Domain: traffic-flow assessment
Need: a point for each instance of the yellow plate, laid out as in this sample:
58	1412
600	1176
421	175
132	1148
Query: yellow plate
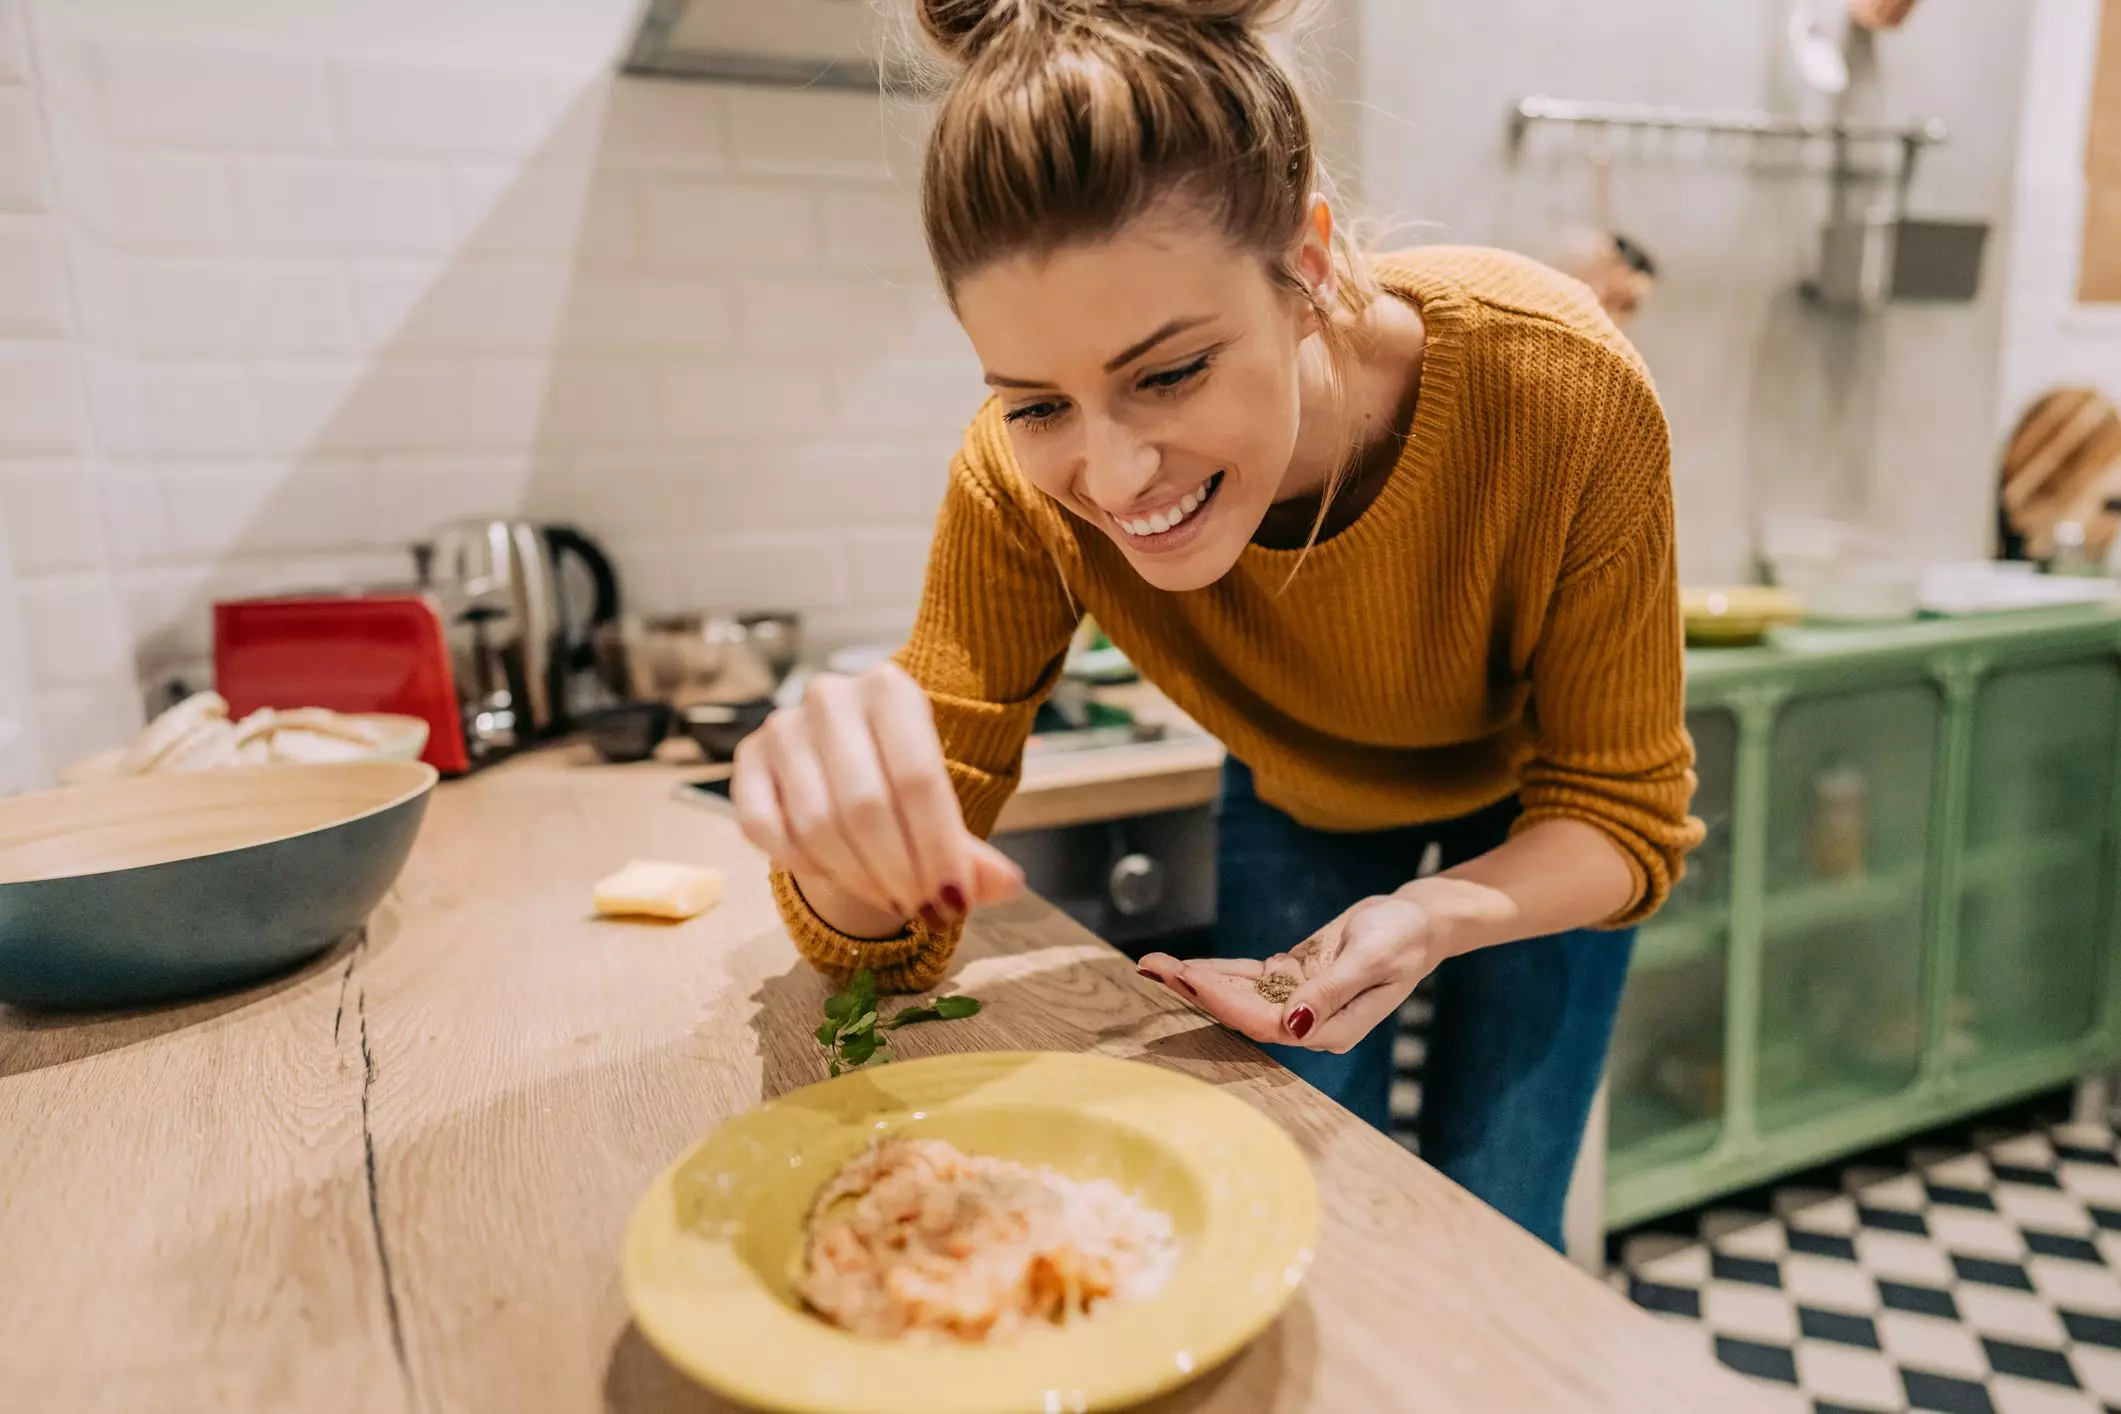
1737	614
713	1249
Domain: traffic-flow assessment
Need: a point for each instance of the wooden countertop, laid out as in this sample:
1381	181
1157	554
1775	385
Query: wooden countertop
396	1180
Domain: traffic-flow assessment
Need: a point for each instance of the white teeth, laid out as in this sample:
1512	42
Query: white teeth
1165	520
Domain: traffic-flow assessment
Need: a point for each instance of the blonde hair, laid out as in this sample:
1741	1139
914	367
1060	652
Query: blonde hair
1068	120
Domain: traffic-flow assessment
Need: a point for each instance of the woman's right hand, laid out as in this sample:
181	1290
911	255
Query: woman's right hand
847	791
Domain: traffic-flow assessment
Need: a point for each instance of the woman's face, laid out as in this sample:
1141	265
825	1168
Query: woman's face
1150	382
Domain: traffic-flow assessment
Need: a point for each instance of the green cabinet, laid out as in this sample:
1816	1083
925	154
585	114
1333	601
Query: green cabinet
1904	908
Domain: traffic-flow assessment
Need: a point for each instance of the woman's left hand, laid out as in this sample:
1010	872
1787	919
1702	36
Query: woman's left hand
1350	975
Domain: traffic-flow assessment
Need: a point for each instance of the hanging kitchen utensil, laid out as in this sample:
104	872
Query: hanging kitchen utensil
2062	465
1619	271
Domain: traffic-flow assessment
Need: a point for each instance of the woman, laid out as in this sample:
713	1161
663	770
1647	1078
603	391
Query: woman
1399	533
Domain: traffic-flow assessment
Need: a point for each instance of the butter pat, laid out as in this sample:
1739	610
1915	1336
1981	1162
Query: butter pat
654	888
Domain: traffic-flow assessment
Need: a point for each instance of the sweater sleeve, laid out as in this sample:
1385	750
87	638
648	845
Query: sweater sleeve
1608	673
989	641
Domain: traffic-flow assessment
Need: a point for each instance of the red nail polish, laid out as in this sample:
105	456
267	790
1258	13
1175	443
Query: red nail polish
933	919
952	898
1145	972
1300	1022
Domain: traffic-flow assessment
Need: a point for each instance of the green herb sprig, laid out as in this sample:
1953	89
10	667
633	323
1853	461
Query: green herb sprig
852	1033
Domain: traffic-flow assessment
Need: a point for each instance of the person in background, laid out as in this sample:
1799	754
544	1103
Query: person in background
1880	14
1397	529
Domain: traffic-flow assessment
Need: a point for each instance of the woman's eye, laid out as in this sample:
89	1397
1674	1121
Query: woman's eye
1035	413
1172	377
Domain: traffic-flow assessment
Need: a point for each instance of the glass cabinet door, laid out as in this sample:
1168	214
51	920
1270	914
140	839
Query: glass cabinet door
1850	786
2034	902
1666	1064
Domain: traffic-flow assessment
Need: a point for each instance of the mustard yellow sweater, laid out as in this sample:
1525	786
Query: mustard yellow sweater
1503	619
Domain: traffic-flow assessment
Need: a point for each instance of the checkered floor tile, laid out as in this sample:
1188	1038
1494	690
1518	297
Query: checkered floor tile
1983	1280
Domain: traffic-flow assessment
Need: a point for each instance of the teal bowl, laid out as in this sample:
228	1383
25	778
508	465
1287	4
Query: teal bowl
156	888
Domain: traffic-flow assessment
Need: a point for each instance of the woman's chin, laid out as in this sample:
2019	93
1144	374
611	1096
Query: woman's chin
1196	566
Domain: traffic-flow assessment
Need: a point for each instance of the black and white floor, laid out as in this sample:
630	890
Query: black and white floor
1976	1271
1978	1277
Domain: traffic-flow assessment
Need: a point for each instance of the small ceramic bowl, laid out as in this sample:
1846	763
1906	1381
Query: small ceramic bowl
629	731
719	726
157	887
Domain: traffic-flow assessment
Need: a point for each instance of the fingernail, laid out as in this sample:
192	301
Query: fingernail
1300	1022
952	898
933	919
1186	987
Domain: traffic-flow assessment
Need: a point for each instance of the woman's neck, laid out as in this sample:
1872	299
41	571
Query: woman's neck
1361	430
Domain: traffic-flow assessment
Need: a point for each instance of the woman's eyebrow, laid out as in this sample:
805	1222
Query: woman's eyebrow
1133	351
1136	350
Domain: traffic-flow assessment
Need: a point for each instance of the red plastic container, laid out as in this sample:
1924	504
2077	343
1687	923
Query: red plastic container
347	652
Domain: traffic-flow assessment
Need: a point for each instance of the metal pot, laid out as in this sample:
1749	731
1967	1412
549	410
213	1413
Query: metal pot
684	659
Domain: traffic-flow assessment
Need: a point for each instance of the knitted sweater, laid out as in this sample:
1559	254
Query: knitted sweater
1501	620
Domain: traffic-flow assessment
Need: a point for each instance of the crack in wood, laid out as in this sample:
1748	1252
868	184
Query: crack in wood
353	955
375	1208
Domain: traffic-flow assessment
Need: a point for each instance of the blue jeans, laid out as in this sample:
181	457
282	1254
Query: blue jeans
1519	1035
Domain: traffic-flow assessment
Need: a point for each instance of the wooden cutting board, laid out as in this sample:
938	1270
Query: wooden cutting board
2063	463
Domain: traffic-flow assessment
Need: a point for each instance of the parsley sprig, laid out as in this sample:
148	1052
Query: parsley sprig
852	1033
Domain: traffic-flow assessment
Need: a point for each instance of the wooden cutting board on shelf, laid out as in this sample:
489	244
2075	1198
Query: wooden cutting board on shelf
2063	463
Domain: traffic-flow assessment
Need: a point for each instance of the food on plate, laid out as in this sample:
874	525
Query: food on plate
914	1238
655	888
197	735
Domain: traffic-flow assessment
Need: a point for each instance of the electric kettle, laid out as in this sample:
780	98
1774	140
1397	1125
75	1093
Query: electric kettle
522	602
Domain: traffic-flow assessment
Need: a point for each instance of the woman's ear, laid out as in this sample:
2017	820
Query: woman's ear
1312	260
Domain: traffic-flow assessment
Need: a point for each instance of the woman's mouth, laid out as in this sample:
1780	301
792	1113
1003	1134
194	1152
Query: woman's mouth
1172	526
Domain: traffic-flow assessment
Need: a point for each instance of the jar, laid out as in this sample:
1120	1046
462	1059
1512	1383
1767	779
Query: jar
1839	797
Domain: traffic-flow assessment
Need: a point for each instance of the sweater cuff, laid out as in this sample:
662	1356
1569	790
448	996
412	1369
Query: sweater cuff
914	961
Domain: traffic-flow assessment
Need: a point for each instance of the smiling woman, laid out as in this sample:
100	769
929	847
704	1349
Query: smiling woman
1396	529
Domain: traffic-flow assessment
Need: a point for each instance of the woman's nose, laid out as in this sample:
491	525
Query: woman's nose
1118	464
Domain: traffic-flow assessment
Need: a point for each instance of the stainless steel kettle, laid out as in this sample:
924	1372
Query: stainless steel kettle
519	644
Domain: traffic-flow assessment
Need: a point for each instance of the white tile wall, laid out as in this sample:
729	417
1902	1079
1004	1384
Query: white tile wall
200	410
22	165
348	207
396	107
32	277
39	413
618	313
193	305
286	307
14	44
646	124
169	201
52	519
213	95
77	634
390	404
218	512
695	223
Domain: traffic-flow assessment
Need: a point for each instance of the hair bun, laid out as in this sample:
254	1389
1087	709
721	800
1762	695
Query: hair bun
963	28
